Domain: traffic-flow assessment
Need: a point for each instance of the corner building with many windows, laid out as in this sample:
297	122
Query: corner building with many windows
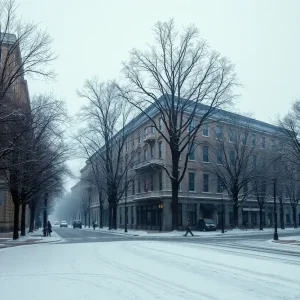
148	198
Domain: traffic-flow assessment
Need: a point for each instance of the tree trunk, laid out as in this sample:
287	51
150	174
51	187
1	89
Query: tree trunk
32	217
294	216
85	220
235	213
174	204
281	215
175	185
261	218
114	213
16	221
23	219
101	215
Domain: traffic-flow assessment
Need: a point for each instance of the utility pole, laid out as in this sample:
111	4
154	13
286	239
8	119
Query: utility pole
45	214
275	213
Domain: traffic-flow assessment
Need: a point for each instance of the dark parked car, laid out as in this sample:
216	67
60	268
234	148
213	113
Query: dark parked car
206	225
77	224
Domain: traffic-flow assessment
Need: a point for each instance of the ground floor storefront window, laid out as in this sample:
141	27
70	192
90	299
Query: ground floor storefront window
148	216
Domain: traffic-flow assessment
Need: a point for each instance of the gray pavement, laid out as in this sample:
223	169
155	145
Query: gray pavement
71	235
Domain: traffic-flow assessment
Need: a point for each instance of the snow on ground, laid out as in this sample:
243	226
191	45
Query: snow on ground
145	271
38	236
217	233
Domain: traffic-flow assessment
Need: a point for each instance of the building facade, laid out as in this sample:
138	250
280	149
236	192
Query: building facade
147	201
16	96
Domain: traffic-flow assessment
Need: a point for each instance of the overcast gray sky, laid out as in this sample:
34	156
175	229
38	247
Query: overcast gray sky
93	37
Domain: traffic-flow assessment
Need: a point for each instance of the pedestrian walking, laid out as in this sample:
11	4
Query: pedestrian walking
49	228
188	228
94	224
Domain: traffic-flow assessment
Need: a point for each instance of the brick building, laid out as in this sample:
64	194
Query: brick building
16	96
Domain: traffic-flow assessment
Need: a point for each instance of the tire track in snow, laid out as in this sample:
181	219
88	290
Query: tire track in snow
214	268
177	290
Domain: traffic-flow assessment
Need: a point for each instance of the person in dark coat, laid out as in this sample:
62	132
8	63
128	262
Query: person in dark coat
188	228
49	228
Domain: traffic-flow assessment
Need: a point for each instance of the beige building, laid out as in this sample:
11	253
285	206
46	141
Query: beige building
148	201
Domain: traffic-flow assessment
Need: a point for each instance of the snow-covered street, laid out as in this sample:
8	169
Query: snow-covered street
145	270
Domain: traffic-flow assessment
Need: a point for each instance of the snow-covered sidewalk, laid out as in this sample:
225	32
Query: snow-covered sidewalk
145	270
196	233
30	238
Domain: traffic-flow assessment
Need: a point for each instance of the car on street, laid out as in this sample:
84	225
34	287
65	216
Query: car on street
206	225
56	223
63	224
77	224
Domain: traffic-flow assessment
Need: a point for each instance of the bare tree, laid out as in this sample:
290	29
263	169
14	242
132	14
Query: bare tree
183	81
26	50
236	162
38	157
104	138
292	187
261	185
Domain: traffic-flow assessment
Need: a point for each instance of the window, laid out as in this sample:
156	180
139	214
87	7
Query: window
179	214
152	129
232	136
218	132
219	156
243	139
191	181
139	157
121	215
139	185
288	220
140	137
179	185
205	130
206	183
160	149
191	149
151	183
160	124
133	187
126	146
145	132
132	216
254	160
191	125
205	154
219	185
145	154
263	142
232	158
146	185
152	151
160	181
253	140
273	145
245	189
132	142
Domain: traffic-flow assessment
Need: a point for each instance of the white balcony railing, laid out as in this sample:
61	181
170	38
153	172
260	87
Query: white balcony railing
149	137
149	163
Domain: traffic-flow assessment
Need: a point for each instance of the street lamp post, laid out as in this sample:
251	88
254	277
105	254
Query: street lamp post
161	207
45	214
223	212
89	192
275	238
125	227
